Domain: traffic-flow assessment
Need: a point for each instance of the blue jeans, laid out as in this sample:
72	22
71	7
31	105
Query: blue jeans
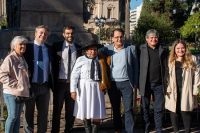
14	111
125	90
158	98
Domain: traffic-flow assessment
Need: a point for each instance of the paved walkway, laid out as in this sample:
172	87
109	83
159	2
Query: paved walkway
106	126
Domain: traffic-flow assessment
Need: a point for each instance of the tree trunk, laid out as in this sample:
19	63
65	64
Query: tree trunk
127	19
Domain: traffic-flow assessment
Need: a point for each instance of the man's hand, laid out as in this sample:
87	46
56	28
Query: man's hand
73	95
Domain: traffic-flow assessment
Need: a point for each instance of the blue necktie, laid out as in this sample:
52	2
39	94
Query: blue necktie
40	65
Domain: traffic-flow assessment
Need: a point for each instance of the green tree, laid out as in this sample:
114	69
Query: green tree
153	17
191	26
166	16
3	23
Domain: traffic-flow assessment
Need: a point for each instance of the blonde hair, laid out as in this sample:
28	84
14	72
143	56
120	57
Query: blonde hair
187	58
42	27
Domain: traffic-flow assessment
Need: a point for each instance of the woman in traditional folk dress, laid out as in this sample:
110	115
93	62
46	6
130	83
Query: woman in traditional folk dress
184	80
86	87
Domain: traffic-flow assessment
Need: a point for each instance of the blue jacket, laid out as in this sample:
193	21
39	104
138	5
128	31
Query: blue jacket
29	57
131	61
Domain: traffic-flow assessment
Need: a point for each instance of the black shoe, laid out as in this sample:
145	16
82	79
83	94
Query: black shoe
95	128
87	126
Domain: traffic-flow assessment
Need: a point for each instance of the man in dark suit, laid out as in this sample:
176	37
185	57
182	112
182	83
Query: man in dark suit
153	69
65	55
38	57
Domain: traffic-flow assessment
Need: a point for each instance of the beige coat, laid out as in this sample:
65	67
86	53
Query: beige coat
14	75
191	81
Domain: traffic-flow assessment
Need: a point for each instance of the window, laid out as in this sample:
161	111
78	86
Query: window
109	13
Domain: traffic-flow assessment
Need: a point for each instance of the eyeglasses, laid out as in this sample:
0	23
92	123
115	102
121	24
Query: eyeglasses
117	37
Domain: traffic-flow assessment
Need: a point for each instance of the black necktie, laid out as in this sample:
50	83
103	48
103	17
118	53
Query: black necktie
95	66
40	65
69	62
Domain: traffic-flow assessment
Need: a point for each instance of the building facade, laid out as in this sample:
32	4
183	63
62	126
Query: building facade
104	14
134	16
2	8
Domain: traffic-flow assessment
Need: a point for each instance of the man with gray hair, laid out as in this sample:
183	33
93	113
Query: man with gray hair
153	67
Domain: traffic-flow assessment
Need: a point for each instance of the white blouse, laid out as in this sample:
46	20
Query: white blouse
81	70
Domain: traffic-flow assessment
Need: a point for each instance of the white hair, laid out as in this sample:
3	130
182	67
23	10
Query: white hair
17	40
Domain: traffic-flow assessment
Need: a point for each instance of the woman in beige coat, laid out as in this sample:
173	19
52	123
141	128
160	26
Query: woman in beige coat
15	80
183	83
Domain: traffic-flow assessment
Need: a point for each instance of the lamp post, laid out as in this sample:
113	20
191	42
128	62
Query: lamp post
100	23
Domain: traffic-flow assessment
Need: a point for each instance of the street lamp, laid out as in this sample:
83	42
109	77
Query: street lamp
100	23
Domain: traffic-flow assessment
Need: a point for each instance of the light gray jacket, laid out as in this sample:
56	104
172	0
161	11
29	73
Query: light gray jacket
14	75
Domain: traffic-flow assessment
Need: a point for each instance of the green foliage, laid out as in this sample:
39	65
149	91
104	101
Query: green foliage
102	34
152	18
3	22
105	33
159	15
190	29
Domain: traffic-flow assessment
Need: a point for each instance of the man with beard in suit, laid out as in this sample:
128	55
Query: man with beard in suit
65	55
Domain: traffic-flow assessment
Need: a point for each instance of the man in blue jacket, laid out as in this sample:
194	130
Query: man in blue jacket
124	77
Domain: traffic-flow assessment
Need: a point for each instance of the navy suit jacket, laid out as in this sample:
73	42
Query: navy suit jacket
29	57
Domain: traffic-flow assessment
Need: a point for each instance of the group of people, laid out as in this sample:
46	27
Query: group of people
79	76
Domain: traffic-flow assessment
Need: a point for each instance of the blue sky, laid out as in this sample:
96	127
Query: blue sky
135	3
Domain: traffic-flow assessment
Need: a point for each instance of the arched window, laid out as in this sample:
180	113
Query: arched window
110	10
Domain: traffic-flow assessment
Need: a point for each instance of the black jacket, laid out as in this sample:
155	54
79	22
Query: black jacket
57	47
144	64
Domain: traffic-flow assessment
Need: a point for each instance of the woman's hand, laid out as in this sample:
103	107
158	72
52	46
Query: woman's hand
73	95
168	94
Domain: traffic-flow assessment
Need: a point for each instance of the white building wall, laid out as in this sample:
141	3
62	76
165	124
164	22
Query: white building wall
134	16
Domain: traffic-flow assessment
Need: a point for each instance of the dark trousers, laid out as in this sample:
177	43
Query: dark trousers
186	116
158	97
125	90
61	94
40	98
